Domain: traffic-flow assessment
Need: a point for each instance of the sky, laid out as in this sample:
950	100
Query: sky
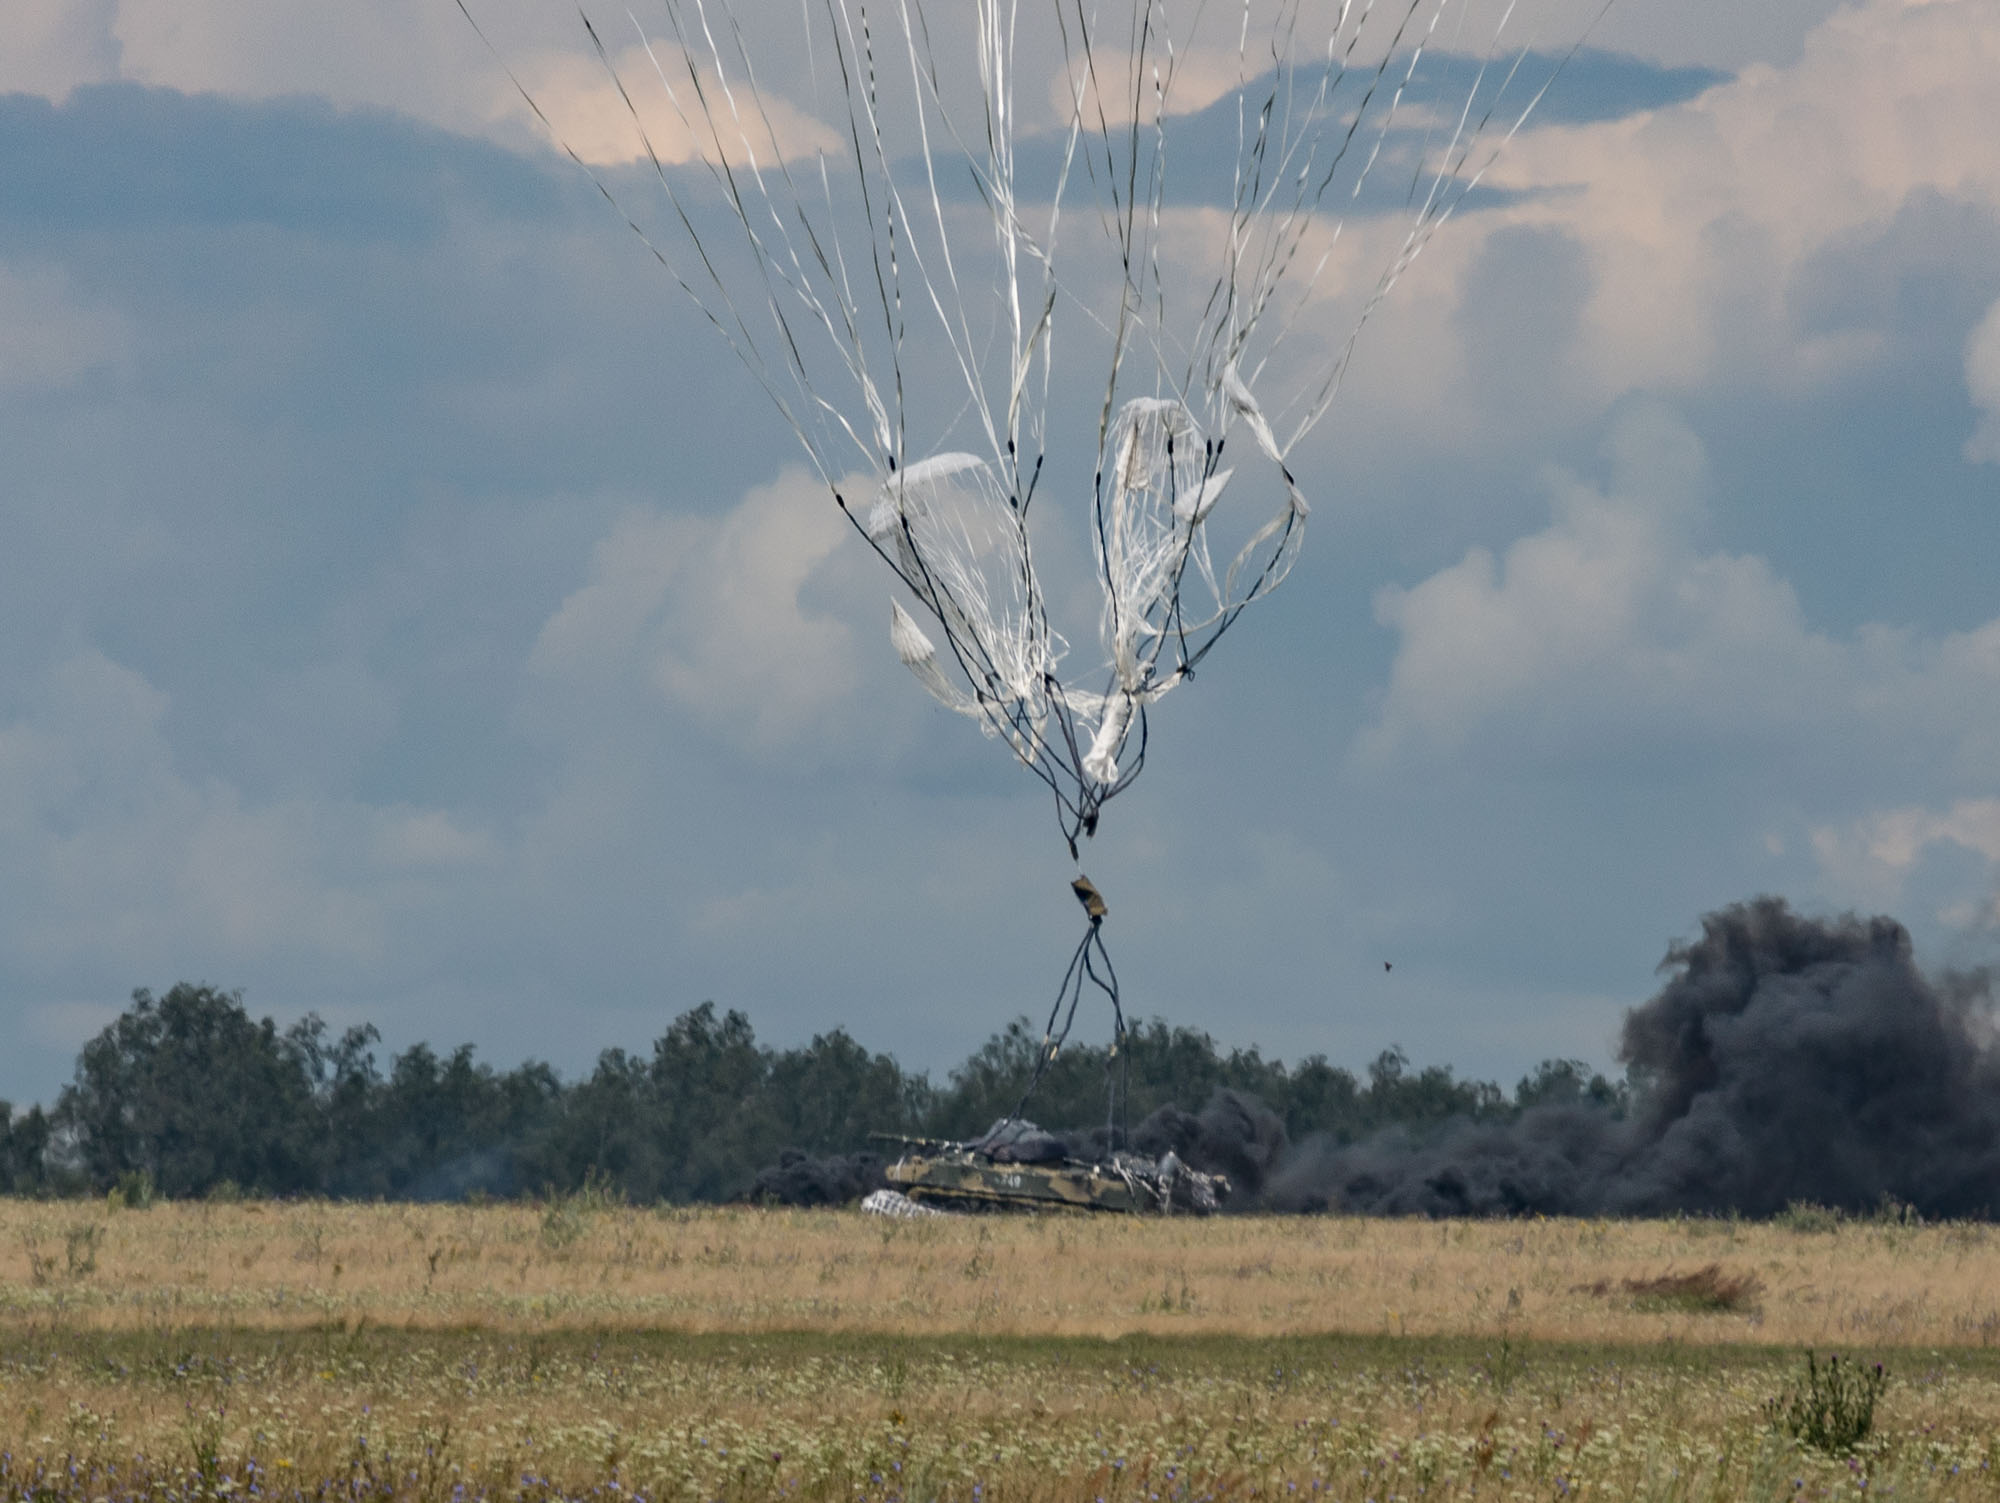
410	613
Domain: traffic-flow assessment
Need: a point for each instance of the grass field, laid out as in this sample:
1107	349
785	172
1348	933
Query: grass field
578	1348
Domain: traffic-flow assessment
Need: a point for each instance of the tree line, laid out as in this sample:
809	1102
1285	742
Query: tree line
186	1095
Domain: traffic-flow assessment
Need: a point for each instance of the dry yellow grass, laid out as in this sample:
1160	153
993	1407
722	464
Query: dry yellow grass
525	1268
434	1416
298	1352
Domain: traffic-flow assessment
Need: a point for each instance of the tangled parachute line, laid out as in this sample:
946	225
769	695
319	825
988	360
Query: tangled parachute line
890	244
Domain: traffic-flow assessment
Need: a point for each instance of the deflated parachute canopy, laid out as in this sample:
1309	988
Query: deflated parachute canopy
959	541
953	534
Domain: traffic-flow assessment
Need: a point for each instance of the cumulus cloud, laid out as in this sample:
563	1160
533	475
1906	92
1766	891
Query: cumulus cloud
1669	250
1715	33
118	856
1613	622
54	45
711	613
1713	243
1099	88
1696	218
422	61
1609	611
1872	859
595	121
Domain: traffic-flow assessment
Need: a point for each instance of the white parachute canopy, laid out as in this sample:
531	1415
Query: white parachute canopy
926	227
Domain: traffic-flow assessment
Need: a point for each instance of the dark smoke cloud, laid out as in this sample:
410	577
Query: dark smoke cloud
803	1179
1787	1058
1234	1134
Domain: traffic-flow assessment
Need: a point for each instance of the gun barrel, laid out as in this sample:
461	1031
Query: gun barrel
904	1140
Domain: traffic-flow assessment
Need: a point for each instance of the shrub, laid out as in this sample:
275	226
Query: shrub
133	1192
1833	1409
1804	1216
1705	1291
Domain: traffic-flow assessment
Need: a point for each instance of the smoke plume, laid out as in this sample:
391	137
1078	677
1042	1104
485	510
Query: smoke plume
1786	1059
803	1179
1234	1134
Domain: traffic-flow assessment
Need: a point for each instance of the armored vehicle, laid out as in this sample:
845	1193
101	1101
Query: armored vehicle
1015	1166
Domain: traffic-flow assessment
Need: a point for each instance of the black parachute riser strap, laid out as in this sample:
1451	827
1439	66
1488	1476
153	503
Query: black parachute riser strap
1089	961
1108	984
1052	1040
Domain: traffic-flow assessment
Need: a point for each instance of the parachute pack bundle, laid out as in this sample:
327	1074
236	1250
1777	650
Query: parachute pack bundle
953	241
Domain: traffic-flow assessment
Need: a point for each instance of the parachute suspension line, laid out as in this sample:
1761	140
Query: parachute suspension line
964	346
1117	1065
898	329
741	343
1423	153
885	437
1289	233
1431	222
850	349
1237	303
765	261
1089	962
993	179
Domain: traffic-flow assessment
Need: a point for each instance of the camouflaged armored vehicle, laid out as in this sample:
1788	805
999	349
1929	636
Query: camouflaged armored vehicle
1016	1166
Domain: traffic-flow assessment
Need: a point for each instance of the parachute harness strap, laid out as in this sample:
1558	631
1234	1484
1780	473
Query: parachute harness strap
1091	962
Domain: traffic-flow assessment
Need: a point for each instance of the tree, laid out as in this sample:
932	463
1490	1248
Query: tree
1428	1099
707	1078
24	1149
440	1128
1322	1098
190	1091
346	1088
829	1096
1569	1082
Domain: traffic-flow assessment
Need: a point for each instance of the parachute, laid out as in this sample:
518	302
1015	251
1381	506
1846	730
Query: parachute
951	238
